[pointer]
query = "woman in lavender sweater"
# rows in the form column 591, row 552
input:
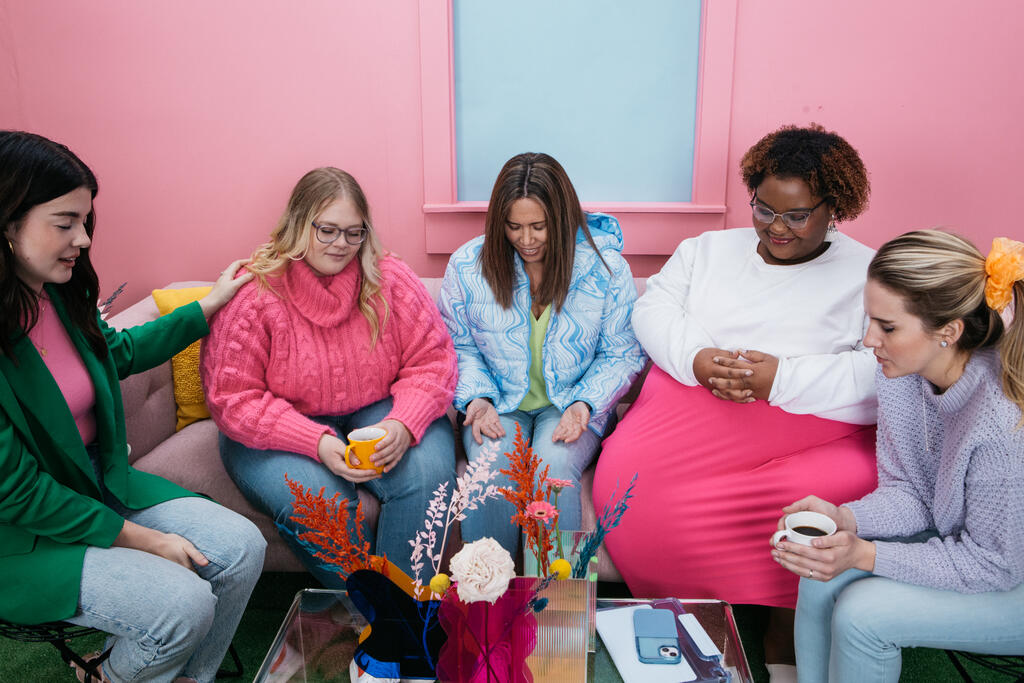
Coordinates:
column 950, row 496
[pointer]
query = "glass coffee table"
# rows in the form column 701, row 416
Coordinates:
column 318, row 638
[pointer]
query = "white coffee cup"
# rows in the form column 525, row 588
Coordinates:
column 805, row 519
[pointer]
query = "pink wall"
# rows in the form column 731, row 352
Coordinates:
column 930, row 93
column 198, row 117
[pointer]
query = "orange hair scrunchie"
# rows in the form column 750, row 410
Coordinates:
column 1004, row 265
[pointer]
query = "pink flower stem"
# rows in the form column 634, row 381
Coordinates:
column 444, row 539
column 558, row 535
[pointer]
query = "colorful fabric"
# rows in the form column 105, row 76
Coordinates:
column 50, row 510
column 1004, row 266
column 537, row 395
column 712, row 478
column 590, row 352
column 68, row 370
column 188, row 388
column 717, row 291
column 952, row 462
column 276, row 357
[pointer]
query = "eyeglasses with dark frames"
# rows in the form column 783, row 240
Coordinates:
column 329, row 234
column 794, row 220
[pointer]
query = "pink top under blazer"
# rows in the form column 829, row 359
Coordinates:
column 275, row 357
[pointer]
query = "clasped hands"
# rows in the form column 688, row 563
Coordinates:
column 738, row 376
column 482, row 417
column 388, row 452
column 827, row 556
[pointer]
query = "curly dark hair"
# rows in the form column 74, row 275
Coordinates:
column 828, row 164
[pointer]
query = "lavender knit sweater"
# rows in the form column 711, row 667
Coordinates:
column 953, row 463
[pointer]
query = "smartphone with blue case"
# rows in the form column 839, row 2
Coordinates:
column 657, row 640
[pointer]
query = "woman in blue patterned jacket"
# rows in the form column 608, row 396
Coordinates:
column 539, row 309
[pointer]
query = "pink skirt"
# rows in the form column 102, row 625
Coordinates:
column 713, row 478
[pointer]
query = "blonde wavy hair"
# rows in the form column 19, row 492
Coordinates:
column 293, row 237
column 941, row 277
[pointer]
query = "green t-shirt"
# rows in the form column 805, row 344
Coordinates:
column 537, row 396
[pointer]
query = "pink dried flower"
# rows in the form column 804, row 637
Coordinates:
column 542, row 510
column 559, row 483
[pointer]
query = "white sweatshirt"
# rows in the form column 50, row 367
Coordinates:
column 716, row 291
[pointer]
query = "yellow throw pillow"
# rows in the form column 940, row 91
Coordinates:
column 188, row 388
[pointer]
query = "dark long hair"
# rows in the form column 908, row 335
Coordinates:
column 539, row 177
column 35, row 170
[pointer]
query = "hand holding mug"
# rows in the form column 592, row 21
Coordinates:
column 811, row 546
column 803, row 527
column 331, row 451
column 842, row 516
column 389, row 450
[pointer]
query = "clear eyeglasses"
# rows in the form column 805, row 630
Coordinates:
column 328, row 234
column 794, row 220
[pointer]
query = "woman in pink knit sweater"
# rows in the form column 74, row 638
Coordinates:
column 332, row 335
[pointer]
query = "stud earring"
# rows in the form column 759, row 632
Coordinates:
column 943, row 343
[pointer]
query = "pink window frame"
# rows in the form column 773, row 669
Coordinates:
column 649, row 227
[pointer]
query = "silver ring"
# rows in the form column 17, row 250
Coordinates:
column 810, row 573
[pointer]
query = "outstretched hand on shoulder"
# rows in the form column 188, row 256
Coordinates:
column 226, row 286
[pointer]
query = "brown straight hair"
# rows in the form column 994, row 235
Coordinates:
column 536, row 176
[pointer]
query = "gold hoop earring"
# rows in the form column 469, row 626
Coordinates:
column 10, row 245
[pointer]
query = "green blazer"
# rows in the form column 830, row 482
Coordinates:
column 50, row 507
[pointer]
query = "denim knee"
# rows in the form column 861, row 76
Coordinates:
column 815, row 597
column 248, row 551
column 190, row 607
column 854, row 619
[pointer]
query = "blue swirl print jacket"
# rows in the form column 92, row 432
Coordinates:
column 590, row 352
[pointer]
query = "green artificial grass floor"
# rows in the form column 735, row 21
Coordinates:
column 32, row 663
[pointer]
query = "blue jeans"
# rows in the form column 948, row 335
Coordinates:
column 404, row 492
column 853, row 627
column 165, row 620
column 565, row 460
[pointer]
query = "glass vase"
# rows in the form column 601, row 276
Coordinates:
column 488, row 643
column 571, row 543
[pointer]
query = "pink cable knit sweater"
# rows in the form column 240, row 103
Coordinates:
column 271, row 361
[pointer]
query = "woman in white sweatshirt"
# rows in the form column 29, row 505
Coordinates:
column 761, row 388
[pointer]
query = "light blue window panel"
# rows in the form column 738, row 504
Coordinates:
column 607, row 88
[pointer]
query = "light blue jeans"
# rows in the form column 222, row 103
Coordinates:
column 565, row 460
column 852, row 628
column 165, row 620
column 404, row 492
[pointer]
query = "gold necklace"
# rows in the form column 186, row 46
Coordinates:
column 41, row 344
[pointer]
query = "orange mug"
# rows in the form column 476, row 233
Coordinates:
column 363, row 441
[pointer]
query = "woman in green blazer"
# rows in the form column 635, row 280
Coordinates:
column 83, row 536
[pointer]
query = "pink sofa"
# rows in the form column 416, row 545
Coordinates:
column 191, row 457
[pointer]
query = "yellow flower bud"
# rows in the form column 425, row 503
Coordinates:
column 561, row 569
column 439, row 584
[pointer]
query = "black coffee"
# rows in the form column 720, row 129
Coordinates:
column 809, row 531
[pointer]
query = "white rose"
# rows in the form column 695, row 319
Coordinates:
column 482, row 570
